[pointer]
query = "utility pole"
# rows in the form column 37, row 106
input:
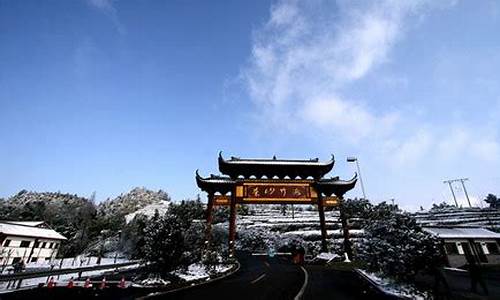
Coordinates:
column 355, row 159
column 452, row 192
column 462, row 180
column 465, row 190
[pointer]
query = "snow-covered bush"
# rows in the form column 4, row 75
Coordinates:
column 132, row 237
column 255, row 239
column 164, row 242
column 194, row 243
column 396, row 245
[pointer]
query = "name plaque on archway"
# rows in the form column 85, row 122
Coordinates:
column 225, row 200
column 272, row 181
column 275, row 192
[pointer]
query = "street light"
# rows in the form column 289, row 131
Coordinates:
column 354, row 159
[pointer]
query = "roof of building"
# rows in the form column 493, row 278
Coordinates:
column 9, row 228
column 462, row 233
column 215, row 184
column 26, row 223
column 336, row 186
column 274, row 167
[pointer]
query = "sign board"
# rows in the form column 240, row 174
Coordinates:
column 330, row 201
column 222, row 200
column 275, row 193
column 263, row 191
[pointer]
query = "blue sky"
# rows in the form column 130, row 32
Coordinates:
column 104, row 95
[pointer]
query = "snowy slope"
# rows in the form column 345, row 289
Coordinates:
column 278, row 229
column 475, row 216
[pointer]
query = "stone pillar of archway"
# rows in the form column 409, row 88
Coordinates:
column 324, row 234
column 209, row 219
column 345, row 228
column 232, row 223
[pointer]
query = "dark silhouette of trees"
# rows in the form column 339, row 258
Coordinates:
column 493, row 201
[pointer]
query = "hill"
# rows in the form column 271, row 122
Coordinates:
column 132, row 201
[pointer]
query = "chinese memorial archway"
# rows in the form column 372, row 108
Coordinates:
column 274, row 181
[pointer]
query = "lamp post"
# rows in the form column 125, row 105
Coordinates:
column 355, row 159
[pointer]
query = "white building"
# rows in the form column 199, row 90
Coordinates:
column 27, row 241
column 463, row 244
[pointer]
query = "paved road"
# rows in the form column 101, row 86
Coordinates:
column 460, row 285
column 327, row 283
column 259, row 277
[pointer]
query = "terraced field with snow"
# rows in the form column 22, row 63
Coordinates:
column 484, row 217
column 302, row 225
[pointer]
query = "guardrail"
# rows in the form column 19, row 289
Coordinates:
column 36, row 274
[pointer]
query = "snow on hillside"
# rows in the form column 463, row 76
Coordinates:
column 132, row 201
column 149, row 210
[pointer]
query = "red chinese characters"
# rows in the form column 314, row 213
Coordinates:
column 277, row 191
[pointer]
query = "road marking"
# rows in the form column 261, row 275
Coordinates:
column 258, row 278
column 267, row 264
column 303, row 288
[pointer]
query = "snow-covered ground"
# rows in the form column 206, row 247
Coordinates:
column 62, row 280
column 194, row 272
column 198, row 271
column 392, row 288
column 326, row 257
column 331, row 233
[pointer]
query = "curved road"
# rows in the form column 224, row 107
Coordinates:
column 261, row 277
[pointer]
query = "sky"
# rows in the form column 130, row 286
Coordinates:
column 104, row 96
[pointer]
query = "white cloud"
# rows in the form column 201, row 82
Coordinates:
column 347, row 116
column 412, row 149
column 108, row 8
column 307, row 61
column 102, row 4
column 459, row 142
column 309, row 51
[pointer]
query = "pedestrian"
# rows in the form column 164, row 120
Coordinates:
column 476, row 277
column 19, row 266
column 441, row 289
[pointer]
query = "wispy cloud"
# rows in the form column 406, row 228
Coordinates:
column 108, row 8
column 477, row 144
column 309, row 52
